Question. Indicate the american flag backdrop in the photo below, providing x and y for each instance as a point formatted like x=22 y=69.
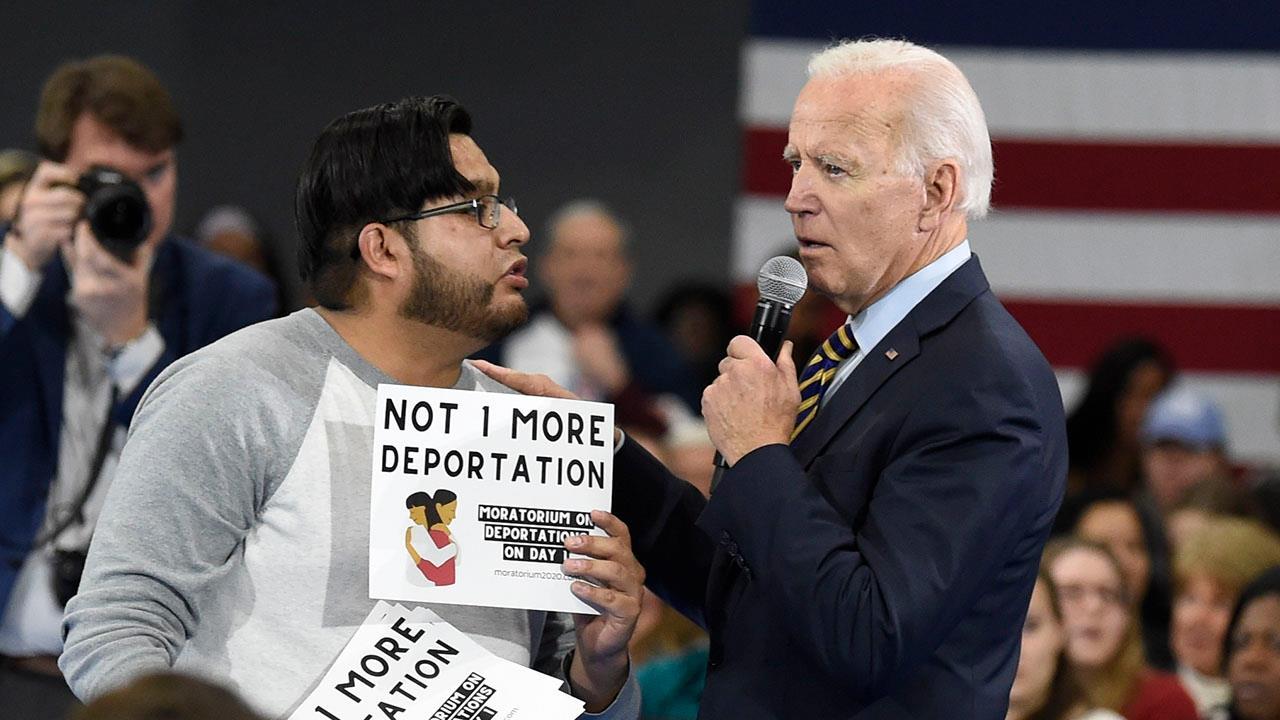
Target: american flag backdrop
x=1137 y=156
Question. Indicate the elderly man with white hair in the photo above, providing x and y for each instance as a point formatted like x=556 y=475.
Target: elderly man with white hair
x=871 y=551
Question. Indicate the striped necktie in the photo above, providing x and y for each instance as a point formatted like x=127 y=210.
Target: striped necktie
x=818 y=373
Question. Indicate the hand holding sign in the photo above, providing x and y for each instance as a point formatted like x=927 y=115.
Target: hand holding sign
x=600 y=664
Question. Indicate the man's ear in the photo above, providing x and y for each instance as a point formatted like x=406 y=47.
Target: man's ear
x=383 y=250
x=941 y=193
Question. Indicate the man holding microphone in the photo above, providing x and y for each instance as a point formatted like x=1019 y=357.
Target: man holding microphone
x=872 y=549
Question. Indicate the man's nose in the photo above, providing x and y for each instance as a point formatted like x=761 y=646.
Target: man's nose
x=512 y=230
x=800 y=198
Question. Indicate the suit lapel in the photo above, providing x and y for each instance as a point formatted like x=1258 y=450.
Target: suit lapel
x=874 y=370
x=891 y=354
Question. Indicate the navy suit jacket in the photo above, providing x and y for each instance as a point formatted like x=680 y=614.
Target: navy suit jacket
x=196 y=298
x=880 y=566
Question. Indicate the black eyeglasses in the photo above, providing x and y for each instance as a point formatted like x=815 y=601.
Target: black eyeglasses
x=488 y=210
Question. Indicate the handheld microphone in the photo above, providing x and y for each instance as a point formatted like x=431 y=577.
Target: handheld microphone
x=782 y=282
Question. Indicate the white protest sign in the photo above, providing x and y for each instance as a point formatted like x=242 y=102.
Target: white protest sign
x=474 y=493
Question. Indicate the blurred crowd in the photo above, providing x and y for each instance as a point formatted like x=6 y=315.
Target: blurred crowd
x=1158 y=598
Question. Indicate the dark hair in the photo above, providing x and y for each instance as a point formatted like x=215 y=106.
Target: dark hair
x=696 y=294
x=1266 y=584
x=1065 y=692
x=442 y=497
x=1075 y=505
x=119 y=92
x=1091 y=427
x=367 y=166
x=418 y=499
x=167 y=696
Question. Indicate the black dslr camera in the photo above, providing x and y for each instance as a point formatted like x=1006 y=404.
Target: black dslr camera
x=116 y=209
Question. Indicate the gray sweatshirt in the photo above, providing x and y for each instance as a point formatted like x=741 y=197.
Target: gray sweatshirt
x=234 y=543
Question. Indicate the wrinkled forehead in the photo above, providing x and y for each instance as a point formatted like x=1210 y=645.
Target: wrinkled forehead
x=866 y=105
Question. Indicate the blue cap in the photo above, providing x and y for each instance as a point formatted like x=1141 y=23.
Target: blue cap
x=1183 y=416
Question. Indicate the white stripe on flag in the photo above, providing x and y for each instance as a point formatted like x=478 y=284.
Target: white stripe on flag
x=1219 y=97
x=1098 y=256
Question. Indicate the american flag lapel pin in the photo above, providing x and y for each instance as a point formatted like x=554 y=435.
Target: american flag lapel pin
x=891 y=353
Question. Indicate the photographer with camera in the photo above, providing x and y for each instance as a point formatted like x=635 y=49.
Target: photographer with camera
x=96 y=298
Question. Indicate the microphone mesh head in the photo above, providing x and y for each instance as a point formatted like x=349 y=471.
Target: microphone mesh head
x=782 y=279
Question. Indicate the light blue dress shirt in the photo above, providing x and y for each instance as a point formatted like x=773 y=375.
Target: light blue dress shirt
x=877 y=319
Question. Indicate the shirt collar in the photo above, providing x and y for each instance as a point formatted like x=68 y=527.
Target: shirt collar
x=877 y=319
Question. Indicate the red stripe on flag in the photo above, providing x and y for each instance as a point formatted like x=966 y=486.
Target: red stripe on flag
x=1087 y=175
x=1214 y=338
x=763 y=170
x=1073 y=333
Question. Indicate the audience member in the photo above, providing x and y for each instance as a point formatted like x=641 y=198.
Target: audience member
x=230 y=230
x=698 y=320
x=167 y=696
x=82 y=334
x=1103 y=639
x=586 y=339
x=1103 y=430
x=1116 y=520
x=1183 y=443
x=16 y=168
x=1210 y=569
x=1208 y=498
x=1045 y=688
x=1252 y=651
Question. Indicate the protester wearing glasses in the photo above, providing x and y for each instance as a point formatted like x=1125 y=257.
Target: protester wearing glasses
x=237 y=543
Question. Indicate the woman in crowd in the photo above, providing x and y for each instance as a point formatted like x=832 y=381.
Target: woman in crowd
x=1210 y=569
x=1103 y=641
x=1044 y=687
x=1114 y=519
x=1253 y=651
x=1103 y=430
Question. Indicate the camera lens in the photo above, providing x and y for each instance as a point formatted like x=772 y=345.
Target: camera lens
x=116 y=209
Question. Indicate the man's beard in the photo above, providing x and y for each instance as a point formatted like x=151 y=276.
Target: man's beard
x=458 y=303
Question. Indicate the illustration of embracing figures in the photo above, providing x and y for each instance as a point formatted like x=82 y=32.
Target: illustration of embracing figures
x=428 y=540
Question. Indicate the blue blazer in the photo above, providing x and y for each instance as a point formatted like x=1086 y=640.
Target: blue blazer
x=196 y=298
x=881 y=566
